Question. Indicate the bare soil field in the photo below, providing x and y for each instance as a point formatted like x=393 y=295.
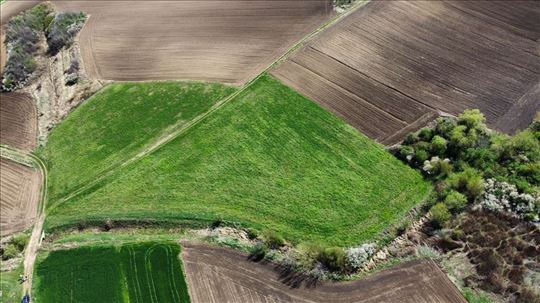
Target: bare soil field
x=18 y=121
x=224 y=41
x=391 y=66
x=225 y=275
x=19 y=196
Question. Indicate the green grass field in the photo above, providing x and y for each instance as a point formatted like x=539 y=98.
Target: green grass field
x=9 y=285
x=270 y=158
x=135 y=273
x=116 y=124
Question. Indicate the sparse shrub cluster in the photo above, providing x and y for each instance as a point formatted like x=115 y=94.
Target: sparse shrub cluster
x=63 y=29
x=15 y=246
x=24 y=34
x=460 y=154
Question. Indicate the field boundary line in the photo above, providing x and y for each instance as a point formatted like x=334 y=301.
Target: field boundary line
x=166 y=138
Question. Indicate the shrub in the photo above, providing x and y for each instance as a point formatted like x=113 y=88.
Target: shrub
x=455 y=201
x=438 y=145
x=440 y=214
x=10 y=252
x=469 y=182
x=334 y=258
x=257 y=252
x=20 y=241
x=309 y=254
x=421 y=156
x=252 y=233
x=437 y=167
x=426 y=134
x=444 y=127
x=358 y=256
x=272 y=240
x=472 y=119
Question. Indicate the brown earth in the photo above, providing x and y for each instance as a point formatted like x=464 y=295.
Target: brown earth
x=225 y=275
x=18 y=121
x=391 y=66
x=225 y=41
x=19 y=196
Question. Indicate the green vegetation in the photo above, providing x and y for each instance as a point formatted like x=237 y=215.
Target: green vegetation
x=116 y=124
x=473 y=297
x=10 y=288
x=471 y=164
x=63 y=29
x=15 y=246
x=145 y=272
x=23 y=35
x=269 y=159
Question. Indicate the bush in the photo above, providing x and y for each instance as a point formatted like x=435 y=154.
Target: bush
x=358 y=256
x=257 y=252
x=472 y=119
x=272 y=240
x=252 y=233
x=469 y=182
x=20 y=241
x=10 y=252
x=444 y=127
x=426 y=134
x=455 y=201
x=438 y=145
x=334 y=258
x=440 y=214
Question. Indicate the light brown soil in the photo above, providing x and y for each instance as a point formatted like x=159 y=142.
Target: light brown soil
x=225 y=275
x=19 y=196
x=18 y=121
x=225 y=41
x=394 y=64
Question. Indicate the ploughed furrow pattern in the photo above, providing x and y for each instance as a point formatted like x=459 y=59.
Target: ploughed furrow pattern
x=223 y=41
x=411 y=59
x=19 y=196
x=225 y=275
x=18 y=121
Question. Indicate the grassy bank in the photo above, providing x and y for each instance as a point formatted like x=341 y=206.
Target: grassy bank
x=269 y=158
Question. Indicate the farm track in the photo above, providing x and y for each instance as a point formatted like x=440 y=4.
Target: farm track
x=234 y=43
x=225 y=275
x=18 y=121
x=414 y=60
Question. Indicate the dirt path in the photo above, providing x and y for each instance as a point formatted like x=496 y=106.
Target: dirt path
x=34 y=242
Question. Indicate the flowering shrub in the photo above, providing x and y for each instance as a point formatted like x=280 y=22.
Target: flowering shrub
x=437 y=166
x=358 y=256
x=502 y=196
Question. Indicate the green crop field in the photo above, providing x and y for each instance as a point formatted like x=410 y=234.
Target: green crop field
x=134 y=273
x=10 y=288
x=270 y=158
x=117 y=123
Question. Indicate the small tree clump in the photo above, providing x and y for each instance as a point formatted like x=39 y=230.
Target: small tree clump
x=440 y=214
x=455 y=201
x=272 y=240
x=334 y=258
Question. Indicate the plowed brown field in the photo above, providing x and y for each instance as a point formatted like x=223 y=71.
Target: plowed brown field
x=19 y=196
x=225 y=41
x=225 y=275
x=392 y=65
x=18 y=121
